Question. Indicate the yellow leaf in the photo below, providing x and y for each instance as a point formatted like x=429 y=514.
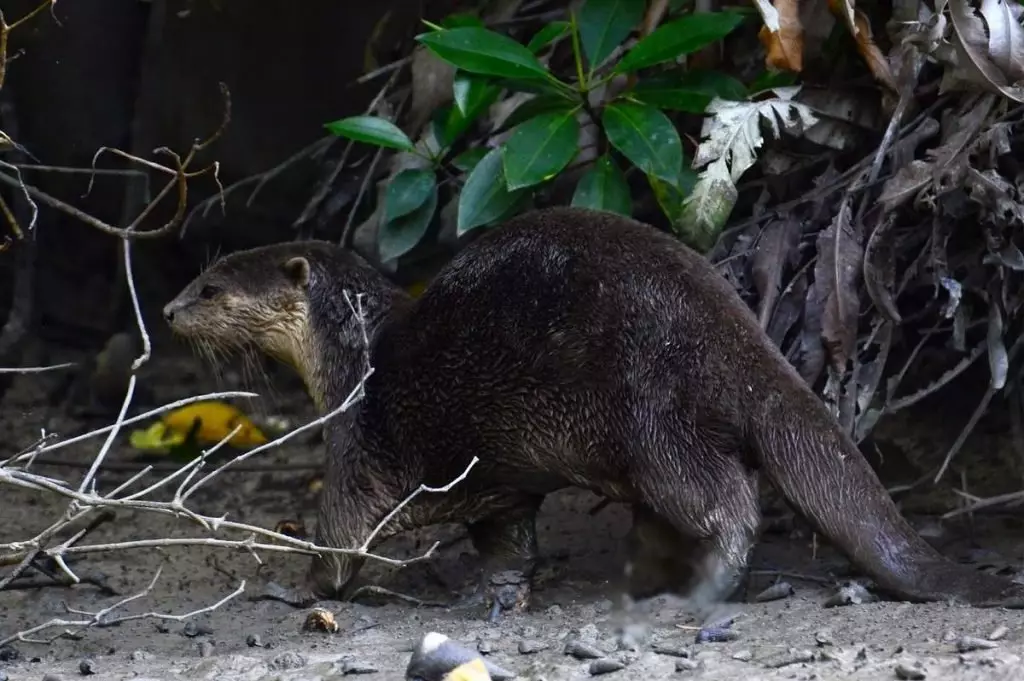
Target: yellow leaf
x=416 y=289
x=473 y=670
x=156 y=438
x=216 y=419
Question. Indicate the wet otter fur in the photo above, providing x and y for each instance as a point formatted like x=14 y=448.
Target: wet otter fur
x=566 y=347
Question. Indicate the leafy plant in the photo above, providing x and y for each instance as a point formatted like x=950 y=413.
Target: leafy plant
x=545 y=131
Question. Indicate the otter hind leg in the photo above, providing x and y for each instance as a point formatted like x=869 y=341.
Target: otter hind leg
x=716 y=511
x=507 y=544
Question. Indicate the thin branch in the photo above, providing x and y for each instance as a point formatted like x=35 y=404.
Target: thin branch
x=36 y=370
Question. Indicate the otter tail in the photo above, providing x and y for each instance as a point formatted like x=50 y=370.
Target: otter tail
x=823 y=475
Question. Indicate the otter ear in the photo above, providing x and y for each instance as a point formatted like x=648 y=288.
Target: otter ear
x=297 y=269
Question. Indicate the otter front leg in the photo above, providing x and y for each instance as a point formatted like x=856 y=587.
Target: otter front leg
x=507 y=544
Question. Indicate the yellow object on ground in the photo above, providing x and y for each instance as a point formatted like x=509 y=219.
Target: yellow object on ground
x=215 y=421
x=473 y=670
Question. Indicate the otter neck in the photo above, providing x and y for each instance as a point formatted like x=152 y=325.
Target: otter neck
x=341 y=333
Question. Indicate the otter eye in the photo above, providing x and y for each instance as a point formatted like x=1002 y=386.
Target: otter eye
x=208 y=292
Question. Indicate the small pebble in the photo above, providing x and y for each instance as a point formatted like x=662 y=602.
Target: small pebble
x=605 y=665
x=484 y=646
x=743 y=656
x=670 y=650
x=286 y=661
x=205 y=649
x=823 y=637
x=908 y=673
x=775 y=592
x=968 y=643
x=583 y=651
x=140 y=656
x=531 y=646
x=9 y=654
x=998 y=633
x=191 y=629
x=685 y=665
x=356 y=667
x=86 y=667
x=254 y=641
x=792 y=656
x=52 y=677
x=554 y=611
x=3 y=676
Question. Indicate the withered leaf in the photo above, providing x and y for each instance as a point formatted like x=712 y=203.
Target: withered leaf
x=840 y=255
x=1005 y=36
x=880 y=268
x=973 y=45
x=777 y=240
x=782 y=34
x=998 y=362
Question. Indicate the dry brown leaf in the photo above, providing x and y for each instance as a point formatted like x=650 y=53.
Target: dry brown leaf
x=880 y=268
x=839 y=262
x=1005 y=36
x=782 y=34
x=972 y=44
x=777 y=240
x=860 y=28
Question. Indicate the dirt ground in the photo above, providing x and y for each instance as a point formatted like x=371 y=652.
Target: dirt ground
x=792 y=638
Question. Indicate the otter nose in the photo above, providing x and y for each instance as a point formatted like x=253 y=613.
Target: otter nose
x=170 y=309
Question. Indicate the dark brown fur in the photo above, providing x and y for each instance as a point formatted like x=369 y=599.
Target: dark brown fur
x=566 y=347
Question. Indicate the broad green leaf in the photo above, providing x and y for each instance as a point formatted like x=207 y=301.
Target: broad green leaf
x=461 y=19
x=372 y=130
x=485 y=197
x=604 y=187
x=768 y=80
x=690 y=92
x=540 y=148
x=479 y=50
x=547 y=35
x=676 y=38
x=604 y=24
x=468 y=159
x=473 y=93
x=671 y=196
x=646 y=137
x=536 y=106
x=400 y=235
x=407 y=191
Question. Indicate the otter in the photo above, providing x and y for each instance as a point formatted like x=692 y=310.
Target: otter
x=565 y=347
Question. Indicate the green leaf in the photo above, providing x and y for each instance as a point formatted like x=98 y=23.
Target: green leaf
x=468 y=159
x=604 y=187
x=536 y=106
x=604 y=24
x=768 y=80
x=397 y=236
x=473 y=93
x=479 y=50
x=407 y=191
x=646 y=137
x=672 y=195
x=690 y=92
x=539 y=148
x=460 y=19
x=547 y=35
x=485 y=197
x=676 y=38
x=372 y=130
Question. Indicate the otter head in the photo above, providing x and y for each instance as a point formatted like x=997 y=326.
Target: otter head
x=251 y=299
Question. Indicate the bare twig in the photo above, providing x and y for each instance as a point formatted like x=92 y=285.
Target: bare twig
x=101 y=618
x=36 y=370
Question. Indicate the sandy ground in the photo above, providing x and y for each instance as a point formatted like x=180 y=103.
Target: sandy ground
x=792 y=638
